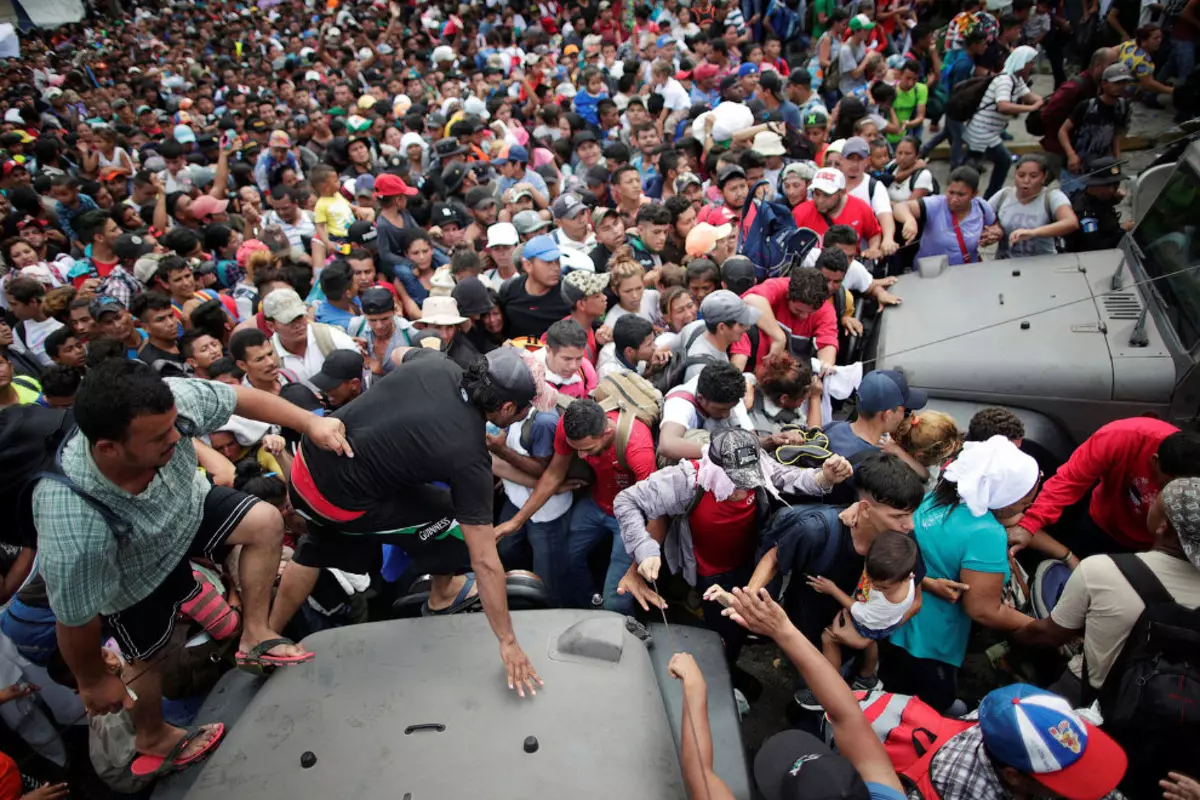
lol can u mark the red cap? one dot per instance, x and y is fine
(391, 185)
(10, 165)
(705, 71)
(683, 75)
(716, 216)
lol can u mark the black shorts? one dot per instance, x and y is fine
(145, 627)
(417, 519)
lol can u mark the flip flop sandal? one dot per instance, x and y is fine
(260, 661)
(462, 601)
(147, 765)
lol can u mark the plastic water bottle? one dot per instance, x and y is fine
(493, 430)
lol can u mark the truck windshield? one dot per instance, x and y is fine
(1167, 236)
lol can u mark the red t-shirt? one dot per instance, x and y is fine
(856, 213)
(724, 534)
(102, 268)
(821, 325)
(1116, 460)
(610, 477)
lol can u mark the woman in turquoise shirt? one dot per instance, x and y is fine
(966, 558)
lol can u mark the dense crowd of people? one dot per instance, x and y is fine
(304, 302)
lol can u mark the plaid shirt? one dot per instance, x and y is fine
(961, 770)
(88, 571)
(120, 285)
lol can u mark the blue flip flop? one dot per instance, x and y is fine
(462, 601)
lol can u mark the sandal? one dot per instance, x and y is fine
(259, 660)
(147, 765)
(462, 601)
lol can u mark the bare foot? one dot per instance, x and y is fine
(163, 746)
(443, 600)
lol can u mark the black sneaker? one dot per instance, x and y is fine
(807, 700)
(867, 683)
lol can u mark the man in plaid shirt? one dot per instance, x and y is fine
(117, 561)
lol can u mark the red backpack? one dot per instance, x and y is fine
(912, 733)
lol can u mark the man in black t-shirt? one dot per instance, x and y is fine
(532, 302)
(420, 479)
(161, 348)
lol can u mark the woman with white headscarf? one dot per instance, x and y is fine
(965, 549)
(1008, 96)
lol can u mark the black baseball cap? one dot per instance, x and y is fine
(795, 765)
(472, 297)
(377, 300)
(516, 381)
(340, 366)
(131, 247)
(737, 272)
(364, 233)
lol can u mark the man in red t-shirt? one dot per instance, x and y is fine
(801, 302)
(831, 205)
(587, 432)
(1124, 466)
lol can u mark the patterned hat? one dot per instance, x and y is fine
(1181, 501)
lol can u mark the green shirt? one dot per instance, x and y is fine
(950, 541)
(906, 105)
(821, 7)
(87, 570)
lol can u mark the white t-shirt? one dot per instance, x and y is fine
(675, 97)
(649, 310)
(30, 337)
(683, 411)
(304, 368)
(517, 494)
(1099, 600)
(858, 277)
(877, 613)
(900, 191)
(879, 201)
(608, 364)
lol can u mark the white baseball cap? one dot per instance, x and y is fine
(828, 181)
(502, 234)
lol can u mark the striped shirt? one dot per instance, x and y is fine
(984, 129)
(87, 570)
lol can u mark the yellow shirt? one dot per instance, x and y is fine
(337, 215)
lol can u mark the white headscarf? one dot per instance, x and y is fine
(1019, 59)
(992, 474)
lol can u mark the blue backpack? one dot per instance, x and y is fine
(784, 21)
(772, 238)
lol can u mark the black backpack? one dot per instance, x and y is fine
(1151, 697)
(673, 373)
(31, 442)
(967, 97)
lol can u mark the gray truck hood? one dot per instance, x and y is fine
(1026, 327)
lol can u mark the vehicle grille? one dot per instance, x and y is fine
(1122, 305)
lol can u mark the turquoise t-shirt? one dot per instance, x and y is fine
(950, 542)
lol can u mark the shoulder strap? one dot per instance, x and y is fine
(1049, 211)
(20, 331)
(625, 422)
(695, 501)
(27, 382)
(119, 527)
(1142, 579)
(1005, 193)
(324, 338)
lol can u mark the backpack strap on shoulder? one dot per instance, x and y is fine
(324, 338)
(1142, 579)
(625, 420)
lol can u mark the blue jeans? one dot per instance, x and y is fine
(1070, 183)
(952, 130)
(589, 526)
(1180, 61)
(548, 543)
(1001, 162)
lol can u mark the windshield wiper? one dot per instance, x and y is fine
(1138, 337)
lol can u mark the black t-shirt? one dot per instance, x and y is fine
(414, 427)
(600, 256)
(1097, 125)
(163, 361)
(812, 540)
(530, 315)
(1099, 224)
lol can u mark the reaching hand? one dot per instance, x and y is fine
(633, 585)
(504, 529)
(852, 326)
(946, 589)
(909, 231)
(521, 674)
(836, 469)
(1019, 235)
(1018, 539)
(1176, 786)
(889, 247)
(329, 433)
(758, 613)
(649, 568)
(274, 444)
(106, 696)
(49, 791)
(683, 667)
(820, 584)
(715, 594)
(18, 690)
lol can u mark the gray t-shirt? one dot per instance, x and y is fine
(848, 60)
(700, 347)
(1015, 215)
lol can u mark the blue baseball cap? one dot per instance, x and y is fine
(664, 40)
(885, 389)
(1038, 733)
(747, 69)
(543, 247)
(515, 153)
